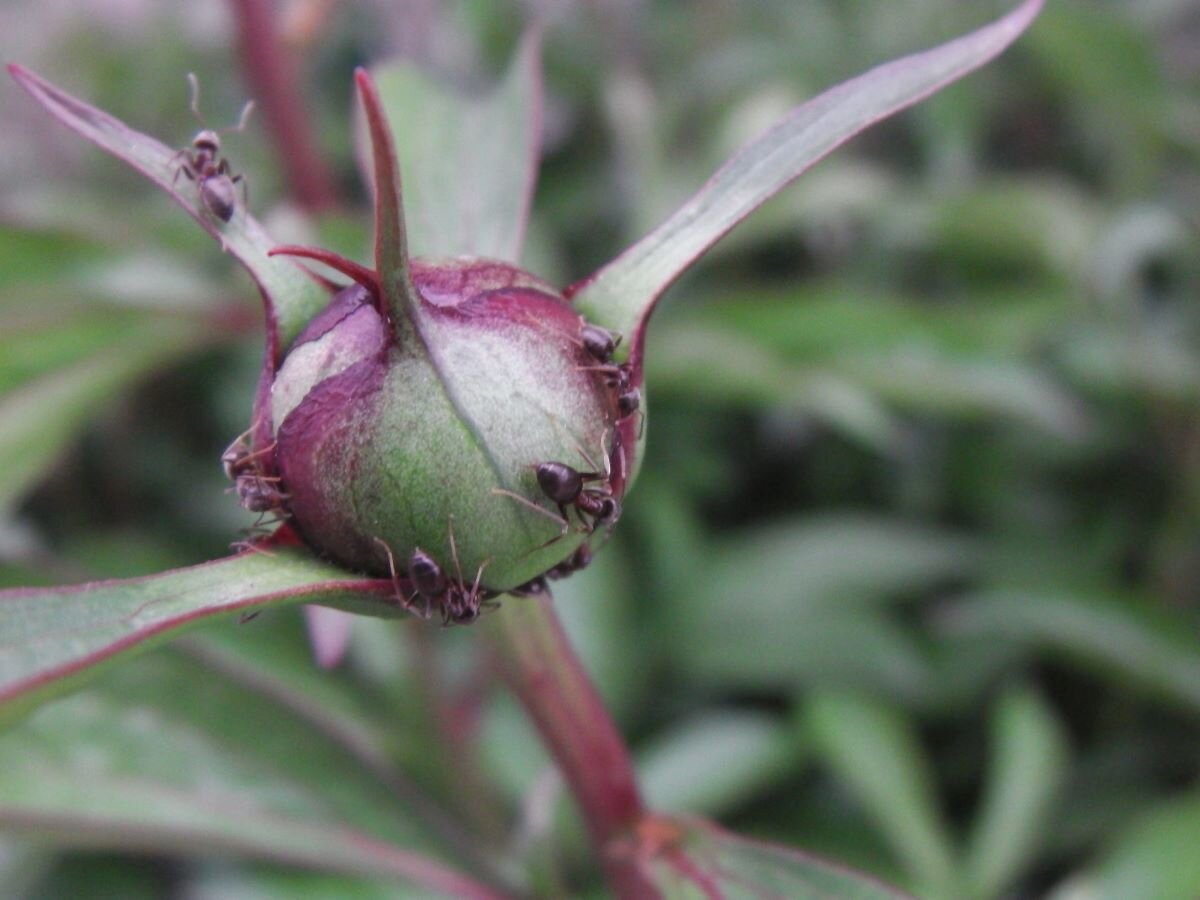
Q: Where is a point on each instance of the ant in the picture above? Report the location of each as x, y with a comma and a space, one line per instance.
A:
260, 493
203, 163
580, 559
256, 491
600, 344
566, 486
460, 605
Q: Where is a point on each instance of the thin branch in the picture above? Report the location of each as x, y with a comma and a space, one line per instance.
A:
548, 678
273, 76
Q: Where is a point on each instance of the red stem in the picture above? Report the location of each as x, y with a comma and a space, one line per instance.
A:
272, 75
543, 671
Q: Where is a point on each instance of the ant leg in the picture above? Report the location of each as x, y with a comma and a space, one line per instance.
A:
270, 448
454, 549
406, 602
562, 520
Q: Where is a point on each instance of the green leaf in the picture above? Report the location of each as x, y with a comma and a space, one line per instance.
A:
44, 413
795, 603
127, 765
53, 638
1028, 763
703, 861
622, 294
934, 384
1155, 858
261, 882
469, 164
1157, 652
292, 295
875, 753
712, 762
825, 561
716, 366
832, 648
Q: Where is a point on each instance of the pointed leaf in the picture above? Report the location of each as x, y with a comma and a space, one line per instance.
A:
874, 751
52, 638
622, 294
1155, 858
270, 659
292, 296
712, 762
469, 163
1027, 768
126, 765
41, 416
702, 861
1158, 652
391, 236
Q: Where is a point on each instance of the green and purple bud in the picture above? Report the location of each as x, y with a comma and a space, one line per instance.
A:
456, 416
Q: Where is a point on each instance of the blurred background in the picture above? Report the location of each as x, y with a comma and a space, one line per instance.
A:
911, 576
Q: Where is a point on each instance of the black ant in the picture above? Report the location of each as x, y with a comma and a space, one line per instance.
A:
203, 163
534, 587
261, 493
580, 559
256, 491
460, 605
238, 455
566, 486
600, 343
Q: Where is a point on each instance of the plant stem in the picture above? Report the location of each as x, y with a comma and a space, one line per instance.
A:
272, 75
544, 672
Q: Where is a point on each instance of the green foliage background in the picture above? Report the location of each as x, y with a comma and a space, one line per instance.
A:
911, 577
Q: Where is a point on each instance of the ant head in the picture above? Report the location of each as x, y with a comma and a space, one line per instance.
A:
629, 401
610, 511
207, 140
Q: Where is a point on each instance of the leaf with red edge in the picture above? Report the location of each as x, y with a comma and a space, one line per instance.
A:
391, 233
469, 163
174, 756
622, 294
695, 859
54, 638
291, 295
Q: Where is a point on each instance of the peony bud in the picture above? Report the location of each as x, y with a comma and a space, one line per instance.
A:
454, 424
386, 449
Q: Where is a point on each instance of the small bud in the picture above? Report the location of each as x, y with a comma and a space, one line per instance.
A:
485, 454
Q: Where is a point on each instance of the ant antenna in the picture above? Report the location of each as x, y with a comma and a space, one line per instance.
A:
243, 118
454, 548
194, 84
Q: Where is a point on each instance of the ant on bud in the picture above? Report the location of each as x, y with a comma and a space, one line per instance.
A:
460, 605
580, 559
256, 491
260, 493
203, 163
589, 493
600, 343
